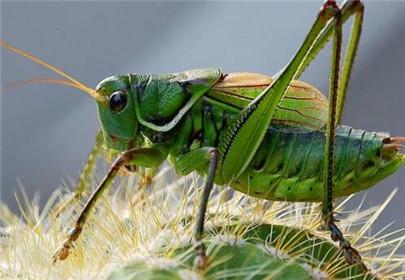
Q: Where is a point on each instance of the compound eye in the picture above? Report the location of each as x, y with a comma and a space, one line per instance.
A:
118, 101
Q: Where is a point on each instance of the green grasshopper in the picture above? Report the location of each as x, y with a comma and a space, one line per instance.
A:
274, 138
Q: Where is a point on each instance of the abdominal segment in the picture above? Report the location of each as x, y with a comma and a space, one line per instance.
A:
289, 164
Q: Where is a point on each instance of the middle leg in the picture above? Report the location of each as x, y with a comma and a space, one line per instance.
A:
198, 160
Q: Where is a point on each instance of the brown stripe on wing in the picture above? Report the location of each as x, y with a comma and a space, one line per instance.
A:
246, 79
240, 80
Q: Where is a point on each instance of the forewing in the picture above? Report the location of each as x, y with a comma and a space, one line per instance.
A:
303, 105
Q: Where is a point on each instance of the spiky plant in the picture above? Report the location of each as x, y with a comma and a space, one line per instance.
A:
147, 234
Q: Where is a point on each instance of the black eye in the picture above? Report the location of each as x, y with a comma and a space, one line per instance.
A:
118, 101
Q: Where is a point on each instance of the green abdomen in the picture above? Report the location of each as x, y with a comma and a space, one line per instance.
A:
289, 164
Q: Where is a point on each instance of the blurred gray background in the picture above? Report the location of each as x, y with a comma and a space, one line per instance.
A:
47, 130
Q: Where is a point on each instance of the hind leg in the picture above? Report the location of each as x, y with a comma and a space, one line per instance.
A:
337, 92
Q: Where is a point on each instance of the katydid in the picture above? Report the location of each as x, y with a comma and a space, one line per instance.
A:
275, 138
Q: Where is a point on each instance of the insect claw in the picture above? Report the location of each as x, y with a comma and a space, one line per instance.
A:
201, 262
63, 252
351, 255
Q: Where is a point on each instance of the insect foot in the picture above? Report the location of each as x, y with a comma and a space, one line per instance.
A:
352, 256
201, 262
63, 252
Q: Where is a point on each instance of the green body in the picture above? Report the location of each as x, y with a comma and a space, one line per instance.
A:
178, 114
274, 139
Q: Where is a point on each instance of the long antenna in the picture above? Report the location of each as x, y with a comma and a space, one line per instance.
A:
99, 97
44, 80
